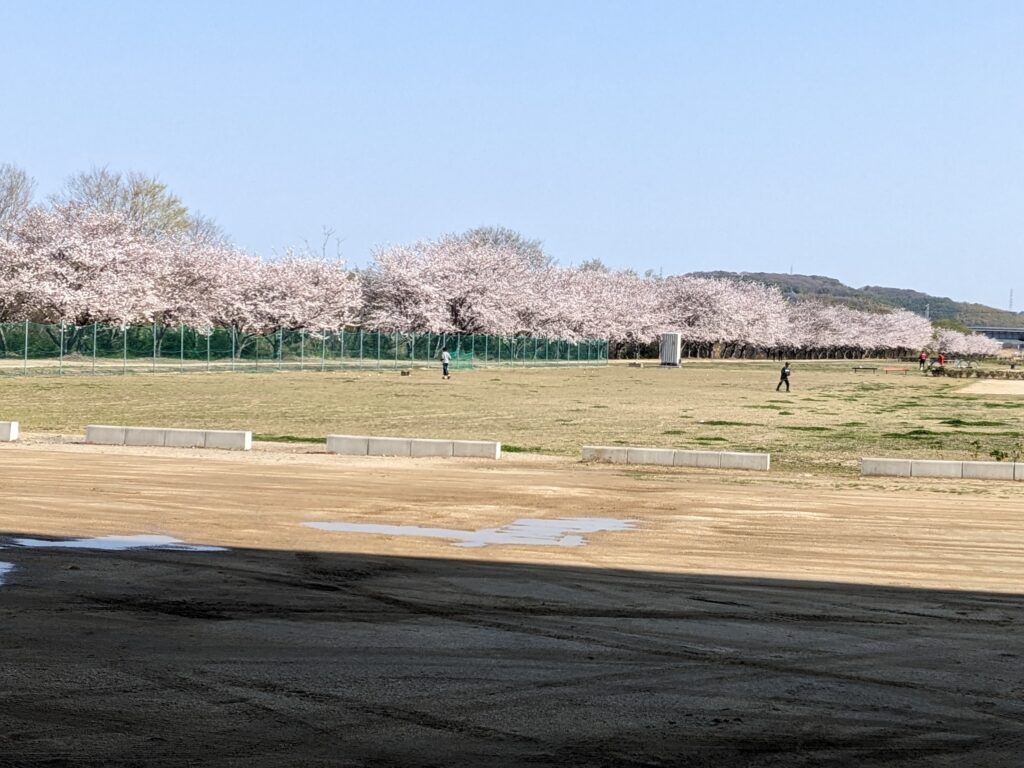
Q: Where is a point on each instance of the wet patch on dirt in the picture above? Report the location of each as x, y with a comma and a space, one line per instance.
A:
559, 532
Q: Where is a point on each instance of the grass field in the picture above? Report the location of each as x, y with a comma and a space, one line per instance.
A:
831, 419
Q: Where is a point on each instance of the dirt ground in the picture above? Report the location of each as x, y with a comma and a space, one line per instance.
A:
995, 387
744, 621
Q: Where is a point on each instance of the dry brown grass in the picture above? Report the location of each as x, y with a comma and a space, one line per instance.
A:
829, 421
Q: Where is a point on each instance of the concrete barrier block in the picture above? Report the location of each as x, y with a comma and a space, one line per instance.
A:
348, 445
615, 455
885, 467
8, 431
708, 459
988, 470
184, 438
685, 458
758, 462
103, 435
422, 448
228, 440
143, 436
476, 449
1018, 471
388, 446
662, 456
931, 468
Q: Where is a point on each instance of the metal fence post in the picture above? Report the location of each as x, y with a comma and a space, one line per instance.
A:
360, 347
24, 366
323, 349
302, 349
181, 346
378, 348
60, 365
208, 350
154, 346
94, 347
124, 349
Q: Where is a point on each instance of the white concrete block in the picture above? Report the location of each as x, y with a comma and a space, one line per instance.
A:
184, 438
476, 449
8, 431
885, 467
143, 436
662, 456
931, 468
420, 448
758, 462
1018, 471
228, 440
348, 445
685, 458
616, 455
103, 435
708, 459
988, 470
388, 446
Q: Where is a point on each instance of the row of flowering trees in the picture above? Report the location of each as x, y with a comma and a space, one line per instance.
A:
67, 263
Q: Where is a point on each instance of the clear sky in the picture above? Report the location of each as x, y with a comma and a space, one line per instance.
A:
881, 143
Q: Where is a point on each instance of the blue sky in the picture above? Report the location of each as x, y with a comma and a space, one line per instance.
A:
880, 143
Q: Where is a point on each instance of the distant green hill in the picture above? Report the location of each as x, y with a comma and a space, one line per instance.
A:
828, 289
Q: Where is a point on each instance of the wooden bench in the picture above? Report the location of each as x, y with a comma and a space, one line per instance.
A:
864, 368
904, 371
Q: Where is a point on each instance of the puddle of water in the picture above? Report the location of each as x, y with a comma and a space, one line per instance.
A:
559, 532
5, 568
120, 543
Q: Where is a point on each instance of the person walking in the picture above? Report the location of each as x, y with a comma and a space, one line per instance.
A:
783, 378
446, 360
922, 360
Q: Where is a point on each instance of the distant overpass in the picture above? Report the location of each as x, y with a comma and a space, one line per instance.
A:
1000, 333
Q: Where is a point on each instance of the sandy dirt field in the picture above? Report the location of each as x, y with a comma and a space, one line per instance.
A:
743, 621
995, 387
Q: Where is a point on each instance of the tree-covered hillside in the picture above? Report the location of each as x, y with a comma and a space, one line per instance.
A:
829, 289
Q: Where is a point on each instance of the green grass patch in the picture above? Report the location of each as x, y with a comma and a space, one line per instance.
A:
725, 423
956, 422
287, 439
674, 432
803, 428
508, 448
913, 434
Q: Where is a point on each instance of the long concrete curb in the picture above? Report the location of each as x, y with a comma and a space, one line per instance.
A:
970, 470
8, 431
228, 440
672, 457
359, 445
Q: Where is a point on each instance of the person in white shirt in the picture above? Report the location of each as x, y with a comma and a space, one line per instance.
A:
446, 360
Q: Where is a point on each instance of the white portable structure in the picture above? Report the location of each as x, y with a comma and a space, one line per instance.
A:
671, 348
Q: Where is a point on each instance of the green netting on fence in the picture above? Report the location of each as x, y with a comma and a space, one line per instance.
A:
44, 349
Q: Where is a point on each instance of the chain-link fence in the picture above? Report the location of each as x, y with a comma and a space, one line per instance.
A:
33, 348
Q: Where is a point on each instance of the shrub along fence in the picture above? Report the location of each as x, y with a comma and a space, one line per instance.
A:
45, 349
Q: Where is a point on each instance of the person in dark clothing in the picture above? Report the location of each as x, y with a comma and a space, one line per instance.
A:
922, 360
783, 378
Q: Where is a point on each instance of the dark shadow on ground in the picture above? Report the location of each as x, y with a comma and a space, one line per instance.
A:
264, 658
